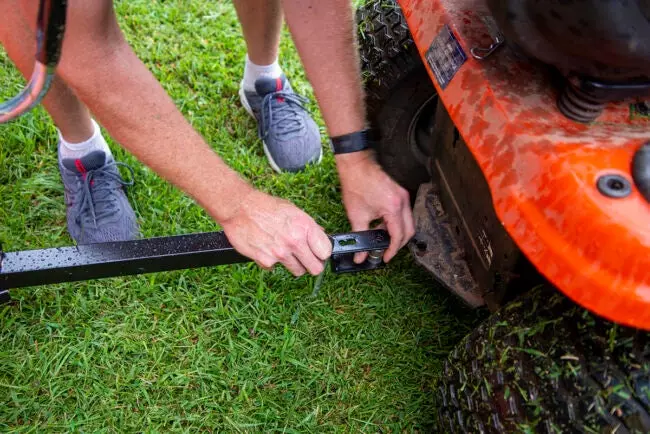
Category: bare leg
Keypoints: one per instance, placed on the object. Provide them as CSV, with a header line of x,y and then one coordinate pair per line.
x,y
261,22
69,114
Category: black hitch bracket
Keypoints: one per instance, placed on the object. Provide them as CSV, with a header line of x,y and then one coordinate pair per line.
x,y
345,246
152,255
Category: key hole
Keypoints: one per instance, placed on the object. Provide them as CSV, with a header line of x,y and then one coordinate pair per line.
x,y
347,242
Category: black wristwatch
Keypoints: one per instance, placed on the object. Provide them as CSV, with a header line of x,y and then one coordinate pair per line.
x,y
348,143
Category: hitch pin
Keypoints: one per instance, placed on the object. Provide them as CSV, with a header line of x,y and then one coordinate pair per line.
x,y
375,257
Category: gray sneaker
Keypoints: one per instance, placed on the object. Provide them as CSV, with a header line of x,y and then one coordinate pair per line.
x,y
290,136
97,208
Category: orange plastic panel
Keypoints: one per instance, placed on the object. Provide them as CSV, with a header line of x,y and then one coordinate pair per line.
x,y
542,168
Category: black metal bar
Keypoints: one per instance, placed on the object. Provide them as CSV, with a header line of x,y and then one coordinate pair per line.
x,y
96,261
151,255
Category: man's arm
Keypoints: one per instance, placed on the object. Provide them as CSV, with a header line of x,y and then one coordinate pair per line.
x,y
324,34
125,97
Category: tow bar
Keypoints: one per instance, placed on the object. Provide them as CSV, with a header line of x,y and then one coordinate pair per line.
x,y
151,255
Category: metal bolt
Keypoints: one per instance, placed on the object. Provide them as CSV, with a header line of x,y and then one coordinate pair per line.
x,y
375,256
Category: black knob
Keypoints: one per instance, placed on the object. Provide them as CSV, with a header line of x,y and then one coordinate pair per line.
x,y
641,170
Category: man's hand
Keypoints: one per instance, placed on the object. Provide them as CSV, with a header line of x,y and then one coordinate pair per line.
x,y
270,230
370,194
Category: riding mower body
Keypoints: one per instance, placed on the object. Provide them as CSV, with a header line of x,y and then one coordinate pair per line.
x,y
521,129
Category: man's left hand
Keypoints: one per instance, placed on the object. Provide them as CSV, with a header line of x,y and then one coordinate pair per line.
x,y
370,194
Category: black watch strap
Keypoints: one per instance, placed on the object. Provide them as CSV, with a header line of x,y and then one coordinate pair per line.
x,y
353,142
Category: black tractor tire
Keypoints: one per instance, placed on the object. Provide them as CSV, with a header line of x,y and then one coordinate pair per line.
x,y
400,96
544,364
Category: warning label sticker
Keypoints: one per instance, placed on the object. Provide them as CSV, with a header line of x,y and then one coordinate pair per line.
x,y
445,56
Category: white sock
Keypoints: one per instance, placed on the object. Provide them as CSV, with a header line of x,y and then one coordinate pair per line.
x,y
96,142
252,72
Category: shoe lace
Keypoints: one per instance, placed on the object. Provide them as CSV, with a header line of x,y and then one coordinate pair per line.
x,y
97,193
286,115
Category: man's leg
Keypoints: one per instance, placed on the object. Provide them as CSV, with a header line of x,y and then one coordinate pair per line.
x,y
290,136
261,23
82,148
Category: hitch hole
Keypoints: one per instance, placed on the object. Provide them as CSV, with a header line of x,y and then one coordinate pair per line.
x,y
348,242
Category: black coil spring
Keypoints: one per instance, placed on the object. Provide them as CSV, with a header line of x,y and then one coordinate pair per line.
x,y
579,106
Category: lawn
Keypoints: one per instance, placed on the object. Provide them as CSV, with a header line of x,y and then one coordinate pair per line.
x,y
223,349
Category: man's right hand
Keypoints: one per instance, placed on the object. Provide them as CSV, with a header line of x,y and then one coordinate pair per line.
x,y
269,230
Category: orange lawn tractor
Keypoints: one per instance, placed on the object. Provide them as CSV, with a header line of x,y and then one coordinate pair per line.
x,y
522,130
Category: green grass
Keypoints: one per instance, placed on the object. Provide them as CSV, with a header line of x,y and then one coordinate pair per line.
x,y
212,349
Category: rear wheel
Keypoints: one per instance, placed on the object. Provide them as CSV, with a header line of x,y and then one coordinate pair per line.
x,y
544,364
401,98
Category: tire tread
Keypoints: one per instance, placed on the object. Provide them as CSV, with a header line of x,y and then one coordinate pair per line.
x,y
544,364
390,54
